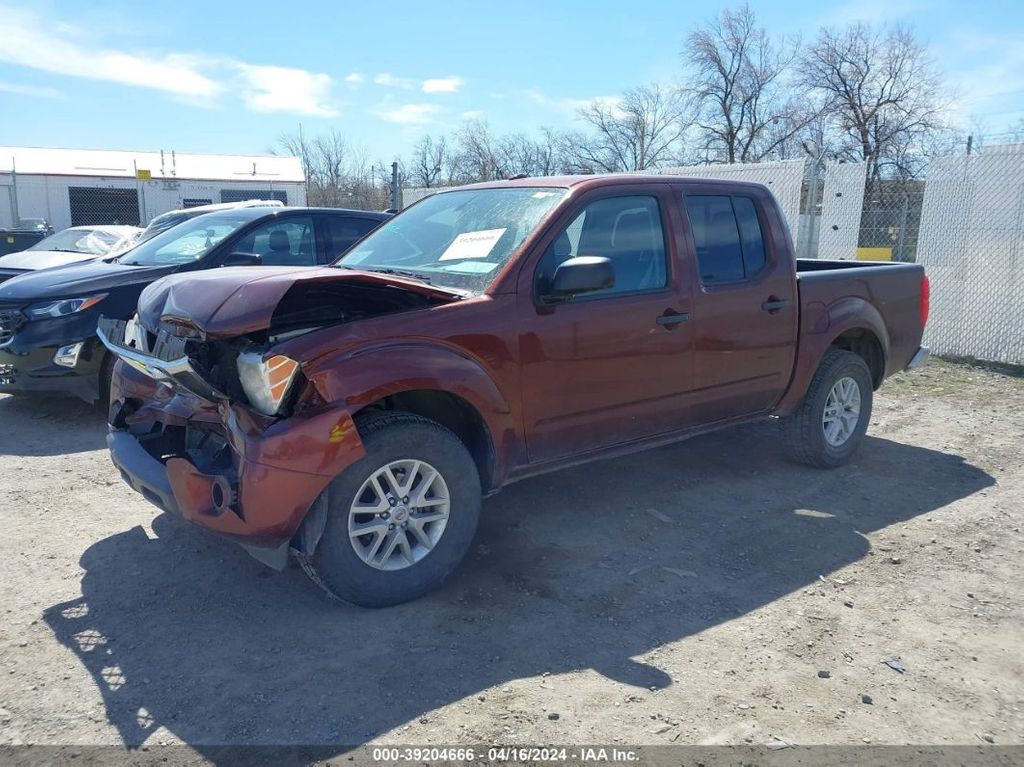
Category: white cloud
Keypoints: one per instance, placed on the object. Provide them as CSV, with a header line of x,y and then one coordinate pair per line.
x,y
568,107
30,42
408,114
64,49
536,96
391,81
610,103
30,90
449,84
284,89
355,78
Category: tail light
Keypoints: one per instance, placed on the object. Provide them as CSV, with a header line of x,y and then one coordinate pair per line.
x,y
926,298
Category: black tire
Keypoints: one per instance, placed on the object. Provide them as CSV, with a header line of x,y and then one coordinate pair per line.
x,y
106,373
387,437
803,433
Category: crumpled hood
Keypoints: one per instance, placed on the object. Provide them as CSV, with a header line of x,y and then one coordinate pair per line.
x,y
42,259
234,301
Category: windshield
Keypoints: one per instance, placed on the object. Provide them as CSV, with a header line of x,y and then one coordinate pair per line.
x,y
90,241
185,243
455,239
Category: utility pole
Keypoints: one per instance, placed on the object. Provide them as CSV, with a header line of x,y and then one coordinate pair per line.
x,y
394,186
15,211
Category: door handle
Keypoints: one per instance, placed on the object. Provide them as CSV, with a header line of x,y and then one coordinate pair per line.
x,y
774,305
670,319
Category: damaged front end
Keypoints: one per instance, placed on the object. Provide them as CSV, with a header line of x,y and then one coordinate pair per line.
x,y
208,421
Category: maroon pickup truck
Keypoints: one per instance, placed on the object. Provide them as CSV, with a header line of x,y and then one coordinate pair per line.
x,y
357,414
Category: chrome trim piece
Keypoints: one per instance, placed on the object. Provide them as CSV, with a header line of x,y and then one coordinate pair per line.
x,y
920,357
10,323
67,356
177,373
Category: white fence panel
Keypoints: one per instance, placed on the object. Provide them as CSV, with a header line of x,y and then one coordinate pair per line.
x,y
842,199
971,243
784,178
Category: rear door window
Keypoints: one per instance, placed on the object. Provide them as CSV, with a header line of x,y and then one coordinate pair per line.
x,y
727,237
343,233
750,235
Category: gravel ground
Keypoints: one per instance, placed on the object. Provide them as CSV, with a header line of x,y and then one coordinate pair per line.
x,y
705,593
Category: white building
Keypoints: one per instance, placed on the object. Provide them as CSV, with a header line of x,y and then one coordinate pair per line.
x,y
71,187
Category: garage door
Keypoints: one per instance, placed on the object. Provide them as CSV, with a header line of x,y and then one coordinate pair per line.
x,y
240,195
103,206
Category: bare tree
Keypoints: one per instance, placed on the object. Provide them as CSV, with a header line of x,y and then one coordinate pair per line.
x,y
1016,132
745,111
473,153
431,161
479,154
336,174
882,92
639,131
520,153
548,156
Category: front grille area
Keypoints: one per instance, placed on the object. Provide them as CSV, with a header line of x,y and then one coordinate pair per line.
x,y
10,321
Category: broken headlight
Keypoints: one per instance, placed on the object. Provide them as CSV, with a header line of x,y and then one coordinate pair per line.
x,y
266,382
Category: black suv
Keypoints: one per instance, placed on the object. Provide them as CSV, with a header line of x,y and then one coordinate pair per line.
x,y
48,318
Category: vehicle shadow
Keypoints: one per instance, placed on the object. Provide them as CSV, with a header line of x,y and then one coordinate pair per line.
x,y
49,424
567,572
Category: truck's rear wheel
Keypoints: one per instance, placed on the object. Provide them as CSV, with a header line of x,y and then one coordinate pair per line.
x,y
830,423
400,519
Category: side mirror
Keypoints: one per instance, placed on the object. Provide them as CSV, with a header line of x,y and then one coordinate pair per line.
x,y
583,274
243,259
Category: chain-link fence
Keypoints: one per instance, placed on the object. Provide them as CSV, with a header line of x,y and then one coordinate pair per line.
x,y
92,205
971,238
963,219
8,208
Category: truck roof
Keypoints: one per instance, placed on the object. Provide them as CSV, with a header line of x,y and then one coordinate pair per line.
x,y
602,179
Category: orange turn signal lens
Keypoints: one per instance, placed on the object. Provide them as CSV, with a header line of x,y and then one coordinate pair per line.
x,y
266,382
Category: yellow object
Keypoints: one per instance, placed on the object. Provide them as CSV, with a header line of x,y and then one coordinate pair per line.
x,y
338,433
874,254
143,175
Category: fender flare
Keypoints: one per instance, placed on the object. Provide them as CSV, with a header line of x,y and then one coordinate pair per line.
x,y
356,378
819,331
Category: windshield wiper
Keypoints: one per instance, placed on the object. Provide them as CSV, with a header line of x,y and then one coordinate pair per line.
x,y
404,273
401,273
388,270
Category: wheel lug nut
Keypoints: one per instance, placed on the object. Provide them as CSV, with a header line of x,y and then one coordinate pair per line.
x,y
385,514
391,526
391,500
405,500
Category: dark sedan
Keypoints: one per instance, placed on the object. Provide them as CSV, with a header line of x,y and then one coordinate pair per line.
x,y
48,318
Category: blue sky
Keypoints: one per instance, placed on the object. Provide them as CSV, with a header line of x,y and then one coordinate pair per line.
x,y
231,77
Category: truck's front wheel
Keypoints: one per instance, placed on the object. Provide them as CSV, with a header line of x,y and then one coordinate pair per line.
x,y
400,519
830,423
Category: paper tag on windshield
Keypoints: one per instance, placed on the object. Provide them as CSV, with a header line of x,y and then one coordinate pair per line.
x,y
472,245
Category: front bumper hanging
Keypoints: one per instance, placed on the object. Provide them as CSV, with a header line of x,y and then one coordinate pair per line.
x,y
219,464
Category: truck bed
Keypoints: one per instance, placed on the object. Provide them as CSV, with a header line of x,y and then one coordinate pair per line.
x,y
894,290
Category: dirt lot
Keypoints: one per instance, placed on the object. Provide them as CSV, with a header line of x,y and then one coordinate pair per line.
x,y
705,593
